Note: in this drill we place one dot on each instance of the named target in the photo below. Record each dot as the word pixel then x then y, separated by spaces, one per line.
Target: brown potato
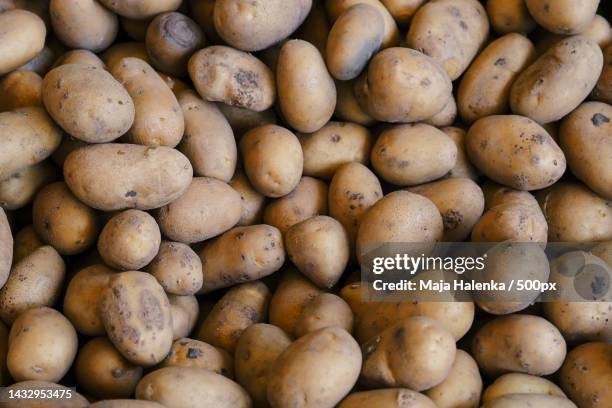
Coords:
pixel 315 28
pixel 26 241
pixel 389 397
pixel 141 9
pixel 80 57
pixel 20 89
pixel 563 16
pixel 6 248
pixel 22 37
pixel 517 383
pixel 347 106
pixel 446 116
pixel 177 268
pixel 19 189
pixel 534 400
pixel 252 202
pixel 119 51
pixel 510 16
pixel 462 387
pixel 463 168
pixel 326 310
pixel 603 89
pixel 242 119
pixel 185 312
pixel 402 10
pixel 194 353
pixel 135 29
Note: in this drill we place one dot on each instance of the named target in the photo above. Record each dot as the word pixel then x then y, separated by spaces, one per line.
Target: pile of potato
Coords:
pixel 187 188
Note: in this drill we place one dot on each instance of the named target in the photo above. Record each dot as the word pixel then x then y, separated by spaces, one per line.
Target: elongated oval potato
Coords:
pixel 515 151
pixel 510 16
pixel 242 254
pixel 356 35
pixel 28 136
pixel 403 85
pixel 77 400
pixel 306 91
pixel 534 400
pixel 34 281
pixel 485 87
pixel 20 89
pixel 387 397
pixel 518 383
pixel 140 9
pixel 449 31
pixel 462 387
pixel 87 102
pixel 581 322
pixel 326 310
pixel 224 74
pixel 413 154
pixel 20 188
pixel 177 268
pixel 327 361
pixel 257 25
pixel 558 81
pixel 6 248
pixel 136 315
pixel 208 141
pixel 252 202
pixel 257 350
pixel 22 37
pixel 194 353
pixel 333 145
pixel 158 119
pixel 83 24
pixel 118 176
pixel 563 16
pixel 208 208
pixel 28 359
pixel 519 343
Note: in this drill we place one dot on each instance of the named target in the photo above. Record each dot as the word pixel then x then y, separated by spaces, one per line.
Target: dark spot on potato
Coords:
pixel 425 82
pixel 335 138
pixel 539 139
pixel 151 312
pixel 500 62
pixel 193 353
pixel 463 25
pixel 454 11
pixel 598 119
pixel 452 219
pixel 547 7
pixel 131 193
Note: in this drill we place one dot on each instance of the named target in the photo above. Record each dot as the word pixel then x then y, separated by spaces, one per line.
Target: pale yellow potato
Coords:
pixel 20 89
pixel 177 268
pixel 20 189
pixel 510 16
pixel 599 31
pixel 22 37
pixel 388 397
pixel 463 167
pixel 118 51
pixel 187 352
pixel 326 310
pixel 252 202
pixel 140 9
pixel 563 16
pixel 462 387
pixel 26 241
pixel 347 106
pixel 518 383
pixel 185 312
pixel 445 117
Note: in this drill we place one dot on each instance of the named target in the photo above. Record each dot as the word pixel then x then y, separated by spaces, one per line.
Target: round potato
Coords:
pixel 194 353
pixel 141 9
pixel 326 310
pixel 510 16
pixel 462 387
pixel 118 176
pixel 390 397
pixel 558 81
pixel 31 358
pixel 20 89
pixel 386 93
pixel 563 16
pixel 449 31
pixel 603 89
pixel 177 268
pixel 158 119
pixel 136 315
pixel 19 189
pixel 185 312
pixel 26 241
pixel 518 383
pixel 22 37
pixel 252 202
pixel 413 154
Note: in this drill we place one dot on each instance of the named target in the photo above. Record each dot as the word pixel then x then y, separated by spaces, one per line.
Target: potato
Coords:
pixel 242 119
pixel 599 31
pixel 242 254
pixel 137 176
pixel 30 357
pixel 20 89
pixel 387 94
pixel 308 199
pixel 19 189
pixel 558 81
pixel 356 35
pixel 585 137
pixel 62 221
pixel 326 310
pixel 6 248
pixel 560 205
pixel 103 372
pixel 141 9
pixel 43 60
pixel 83 24
pixel 255 26
pixel 510 16
pixel 158 119
pixel 402 10
pixel 399 217
pixel 563 17
pixel 258 348
pixel 519 343
pixel 124 403
pixel 306 91
pixel 80 57
pixel 241 307
pixel 485 87
pixel 515 151
pixel 543 401
pixel 449 31
pixel 185 312
pixel 22 37
pixel 446 116
pixel 26 241
pixel 82 299
pixel 603 89
pixel 177 268
pixel 347 106
pixel 34 281
pixel 463 168
pixel 390 397
pixel 28 136
pixel 586 375
pixel 223 74
pixel 136 315
pixel 208 140
pixel 327 361
pixel 603 251
pixel 194 353
pixel 460 202
pixel 292 295
pixel 315 28
pixel 76 400
pixel 333 145
pixel 252 202
pixel 462 387
pixel 517 383
pixel 114 54
pixel 87 102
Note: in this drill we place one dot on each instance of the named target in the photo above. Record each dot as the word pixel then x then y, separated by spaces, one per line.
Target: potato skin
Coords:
pixel 585 137
pixel 194 353
pixel 388 397
pixel 208 208
pixel 252 202
pixel 6 248
pixel 463 167
pixel 388 95
pixel 224 74
pixel 136 177
pixel 449 31
pixel 564 16
pixel 136 315
pixel 603 89
pixel 20 89
pixel 115 53
pixel 519 343
pixel 22 37
pixel 515 151
pixel 141 9
pixel 185 312
pixel 28 136
pixel 28 359
pixel 508 16
pixel 413 154
pixel 347 106
pixel 485 87
pixel 326 310
pixel 518 383
pixel 543 401
pixel 34 281
pixel 20 188
pixel 177 268
pixel 158 119
pixel 558 81
pixel 255 26
pixel 327 361
pixel 25 242
pixel 462 387
pixel 191 387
